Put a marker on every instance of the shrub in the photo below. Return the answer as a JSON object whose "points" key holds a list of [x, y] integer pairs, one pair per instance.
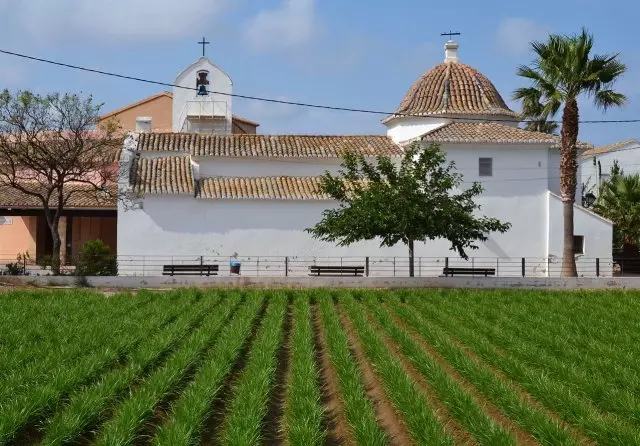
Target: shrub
{"points": [[95, 259]]}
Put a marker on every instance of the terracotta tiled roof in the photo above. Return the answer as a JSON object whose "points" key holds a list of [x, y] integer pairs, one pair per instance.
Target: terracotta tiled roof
{"points": [[488, 132], [306, 146], [82, 197], [611, 147], [262, 188], [453, 89], [167, 175]]}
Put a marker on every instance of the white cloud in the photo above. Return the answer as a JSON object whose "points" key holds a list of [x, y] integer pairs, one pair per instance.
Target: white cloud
{"points": [[116, 20], [291, 25], [514, 34]]}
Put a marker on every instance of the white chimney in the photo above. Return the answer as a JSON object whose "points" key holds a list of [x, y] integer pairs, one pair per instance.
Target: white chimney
{"points": [[451, 51], [143, 124]]}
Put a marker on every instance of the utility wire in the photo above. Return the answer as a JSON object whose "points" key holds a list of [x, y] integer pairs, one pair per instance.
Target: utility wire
{"points": [[279, 101]]}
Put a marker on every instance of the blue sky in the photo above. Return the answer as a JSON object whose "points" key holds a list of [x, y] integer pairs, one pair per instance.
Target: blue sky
{"points": [[344, 53]]}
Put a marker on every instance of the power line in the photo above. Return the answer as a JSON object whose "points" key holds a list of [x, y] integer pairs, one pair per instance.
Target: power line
{"points": [[294, 103]]}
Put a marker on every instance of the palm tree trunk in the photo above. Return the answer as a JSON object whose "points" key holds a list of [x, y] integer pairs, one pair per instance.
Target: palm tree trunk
{"points": [[568, 183]]}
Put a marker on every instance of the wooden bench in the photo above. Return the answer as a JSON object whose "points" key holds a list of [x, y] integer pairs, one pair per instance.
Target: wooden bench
{"points": [[190, 270], [331, 270], [469, 272]]}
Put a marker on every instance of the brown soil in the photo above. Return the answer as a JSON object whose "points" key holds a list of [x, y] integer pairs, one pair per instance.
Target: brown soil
{"points": [[338, 430], [272, 425], [386, 415], [441, 412], [506, 423]]}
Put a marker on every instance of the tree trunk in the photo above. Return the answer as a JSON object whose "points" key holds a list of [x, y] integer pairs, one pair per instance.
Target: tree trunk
{"points": [[53, 221], [55, 255], [411, 259], [568, 183]]}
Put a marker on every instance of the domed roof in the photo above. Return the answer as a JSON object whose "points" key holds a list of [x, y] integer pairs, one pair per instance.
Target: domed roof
{"points": [[453, 88]]}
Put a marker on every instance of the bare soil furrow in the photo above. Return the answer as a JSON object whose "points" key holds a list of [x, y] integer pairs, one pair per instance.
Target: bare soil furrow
{"points": [[451, 425], [335, 420], [272, 430], [386, 415]]}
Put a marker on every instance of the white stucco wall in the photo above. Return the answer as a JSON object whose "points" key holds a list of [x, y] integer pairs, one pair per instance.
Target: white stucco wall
{"points": [[264, 167], [174, 226], [597, 232], [628, 157], [517, 169], [168, 227], [219, 81], [401, 130]]}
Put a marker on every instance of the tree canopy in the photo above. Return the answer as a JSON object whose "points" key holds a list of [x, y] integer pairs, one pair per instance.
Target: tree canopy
{"points": [[52, 153], [419, 199], [619, 201]]}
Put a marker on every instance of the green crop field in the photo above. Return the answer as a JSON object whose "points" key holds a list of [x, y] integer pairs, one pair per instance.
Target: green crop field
{"points": [[248, 367]]}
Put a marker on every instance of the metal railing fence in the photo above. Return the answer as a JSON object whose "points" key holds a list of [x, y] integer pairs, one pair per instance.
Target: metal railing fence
{"points": [[381, 266]]}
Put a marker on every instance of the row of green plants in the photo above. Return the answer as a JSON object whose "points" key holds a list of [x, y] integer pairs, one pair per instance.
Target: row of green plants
{"points": [[521, 363], [249, 403], [460, 404], [191, 411], [499, 392], [131, 414], [179, 367], [88, 404], [605, 372], [36, 397], [71, 339], [303, 413]]}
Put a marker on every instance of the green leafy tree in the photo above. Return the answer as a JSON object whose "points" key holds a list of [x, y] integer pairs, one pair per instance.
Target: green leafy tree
{"points": [[418, 200], [564, 69], [619, 201], [95, 259], [51, 153]]}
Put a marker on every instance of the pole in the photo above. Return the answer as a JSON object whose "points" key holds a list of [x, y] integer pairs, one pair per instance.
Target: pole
{"points": [[366, 266], [523, 267], [286, 266], [598, 267]]}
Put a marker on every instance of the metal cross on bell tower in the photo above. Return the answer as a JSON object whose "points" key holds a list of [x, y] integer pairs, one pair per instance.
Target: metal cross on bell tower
{"points": [[203, 43]]}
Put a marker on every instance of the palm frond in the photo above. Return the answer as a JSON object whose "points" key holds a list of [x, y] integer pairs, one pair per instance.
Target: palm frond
{"points": [[605, 99]]}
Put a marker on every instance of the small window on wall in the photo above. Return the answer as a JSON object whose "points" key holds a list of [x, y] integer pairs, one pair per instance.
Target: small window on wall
{"points": [[486, 167], [578, 244]]}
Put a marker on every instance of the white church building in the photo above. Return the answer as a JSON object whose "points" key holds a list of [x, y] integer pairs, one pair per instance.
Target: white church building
{"points": [[203, 194]]}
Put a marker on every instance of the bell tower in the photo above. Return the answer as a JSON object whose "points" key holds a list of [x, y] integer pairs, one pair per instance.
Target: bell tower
{"points": [[202, 98]]}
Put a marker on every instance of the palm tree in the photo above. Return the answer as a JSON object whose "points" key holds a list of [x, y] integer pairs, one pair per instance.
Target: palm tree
{"points": [[619, 201], [564, 70], [536, 120]]}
